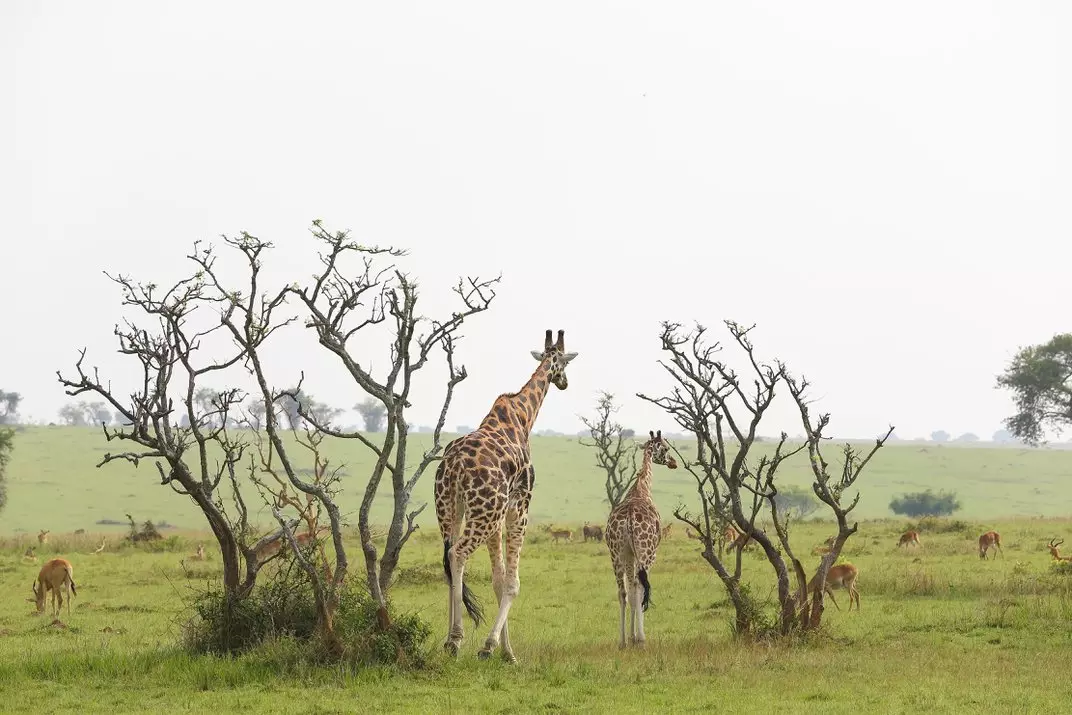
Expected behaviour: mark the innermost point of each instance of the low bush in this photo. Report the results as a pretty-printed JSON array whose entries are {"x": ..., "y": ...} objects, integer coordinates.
[
  {"x": 926, "y": 503},
  {"x": 282, "y": 607}
]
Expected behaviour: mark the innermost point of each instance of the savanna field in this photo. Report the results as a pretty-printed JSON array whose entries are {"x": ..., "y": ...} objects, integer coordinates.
[{"x": 939, "y": 630}]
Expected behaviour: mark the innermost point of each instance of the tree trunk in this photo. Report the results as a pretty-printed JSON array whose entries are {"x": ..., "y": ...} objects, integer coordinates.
[
  {"x": 232, "y": 580},
  {"x": 742, "y": 623}
]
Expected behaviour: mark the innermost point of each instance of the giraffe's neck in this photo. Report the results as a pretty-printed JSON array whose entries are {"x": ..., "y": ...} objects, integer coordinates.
[
  {"x": 642, "y": 486},
  {"x": 522, "y": 407}
]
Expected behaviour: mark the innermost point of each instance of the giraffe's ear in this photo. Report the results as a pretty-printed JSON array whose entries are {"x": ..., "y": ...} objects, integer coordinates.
[
  {"x": 538, "y": 355},
  {"x": 567, "y": 357}
]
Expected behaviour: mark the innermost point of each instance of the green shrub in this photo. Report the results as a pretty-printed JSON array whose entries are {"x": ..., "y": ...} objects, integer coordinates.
[
  {"x": 282, "y": 607},
  {"x": 927, "y": 503}
]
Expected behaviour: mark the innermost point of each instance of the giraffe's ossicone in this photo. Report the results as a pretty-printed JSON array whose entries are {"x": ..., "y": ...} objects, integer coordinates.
[
  {"x": 482, "y": 491},
  {"x": 633, "y": 535}
]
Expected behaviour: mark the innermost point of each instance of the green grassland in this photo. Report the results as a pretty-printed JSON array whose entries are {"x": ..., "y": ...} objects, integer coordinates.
[
  {"x": 54, "y": 484},
  {"x": 939, "y": 630}
]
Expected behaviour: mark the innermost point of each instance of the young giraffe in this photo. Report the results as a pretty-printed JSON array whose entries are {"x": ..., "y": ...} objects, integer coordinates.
[
  {"x": 633, "y": 536},
  {"x": 482, "y": 489}
]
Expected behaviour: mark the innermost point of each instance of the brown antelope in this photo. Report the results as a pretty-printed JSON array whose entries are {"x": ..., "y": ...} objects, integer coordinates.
[
  {"x": 54, "y": 575},
  {"x": 42, "y": 537},
  {"x": 840, "y": 576},
  {"x": 200, "y": 555},
  {"x": 101, "y": 547},
  {"x": 666, "y": 531},
  {"x": 557, "y": 534},
  {"x": 592, "y": 532},
  {"x": 826, "y": 547},
  {"x": 990, "y": 538},
  {"x": 30, "y": 554},
  {"x": 271, "y": 548},
  {"x": 908, "y": 538},
  {"x": 691, "y": 534},
  {"x": 1054, "y": 543},
  {"x": 736, "y": 539}
]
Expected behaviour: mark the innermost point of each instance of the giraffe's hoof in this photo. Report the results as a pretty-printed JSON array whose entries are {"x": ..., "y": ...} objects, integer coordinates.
[
  {"x": 483, "y": 654},
  {"x": 509, "y": 658},
  {"x": 451, "y": 647}
]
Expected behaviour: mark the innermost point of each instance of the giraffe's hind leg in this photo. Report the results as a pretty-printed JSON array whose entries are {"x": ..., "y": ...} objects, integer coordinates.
[
  {"x": 623, "y": 597},
  {"x": 473, "y": 535}
]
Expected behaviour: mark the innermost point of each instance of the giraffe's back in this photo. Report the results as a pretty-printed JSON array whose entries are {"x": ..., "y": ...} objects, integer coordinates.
[
  {"x": 633, "y": 529},
  {"x": 483, "y": 469}
]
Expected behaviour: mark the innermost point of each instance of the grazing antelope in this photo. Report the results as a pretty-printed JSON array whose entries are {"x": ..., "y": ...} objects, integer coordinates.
[
  {"x": 990, "y": 538},
  {"x": 908, "y": 538},
  {"x": 101, "y": 547},
  {"x": 666, "y": 530},
  {"x": 54, "y": 575},
  {"x": 30, "y": 554},
  {"x": 592, "y": 532},
  {"x": 840, "y": 576},
  {"x": 1054, "y": 543},
  {"x": 42, "y": 537}
]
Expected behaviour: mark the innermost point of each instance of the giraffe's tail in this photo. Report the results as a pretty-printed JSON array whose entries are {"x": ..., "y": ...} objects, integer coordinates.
[
  {"x": 642, "y": 575},
  {"x": 469, "y": 599}
]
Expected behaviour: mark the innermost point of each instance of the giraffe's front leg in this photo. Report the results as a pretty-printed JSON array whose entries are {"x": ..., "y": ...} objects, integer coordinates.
[
  {"x": 498, "y": 576},
  {"x": 515, "y": 538}
]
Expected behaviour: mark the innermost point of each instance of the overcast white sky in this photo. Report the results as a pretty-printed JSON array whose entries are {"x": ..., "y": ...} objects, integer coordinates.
[{"x": 883, "y": 188}]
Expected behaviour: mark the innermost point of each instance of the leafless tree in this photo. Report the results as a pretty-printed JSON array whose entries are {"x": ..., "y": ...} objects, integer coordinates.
[
  {"x": 167, "y": 348},
  {"x": 615, "y": 452},
  {"x": 735, "y": 486},
  {"x": 343, "y": 304},
  {"x": 339, "y": 307}
]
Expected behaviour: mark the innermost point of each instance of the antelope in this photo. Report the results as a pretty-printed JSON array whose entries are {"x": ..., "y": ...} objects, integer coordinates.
[
  {"x": 200, "y": 555},
  {"x": 101, "y": 547},
  {"x": 691, "y": 534},
  {"x": 42, "y": 537},
  {"x": 30, "y": 554},
  {"x": 557, "y": 534},
  {"x": 990, "y": 538},
  {"x": 592, "y": 532},
  {"x": 666, "y": 530},
  {"x": 735, "y": 539},
  {"x": 840, "y": 576},
  {"x": 1055, "y": 553},
  {"x": 54, "y": 575},
  {"x": 908, "y": 538},
  {"x": 271, "y": 548}
]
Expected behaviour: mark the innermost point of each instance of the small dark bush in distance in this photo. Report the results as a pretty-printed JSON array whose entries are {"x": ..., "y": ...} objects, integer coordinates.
[{"x": 927, "y": 503}]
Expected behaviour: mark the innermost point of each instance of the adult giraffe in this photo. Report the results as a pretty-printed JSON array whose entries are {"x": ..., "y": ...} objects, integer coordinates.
[{"x": 482, "y": 489}]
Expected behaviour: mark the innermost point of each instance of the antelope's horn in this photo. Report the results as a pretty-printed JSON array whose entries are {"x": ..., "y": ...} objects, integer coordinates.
[
  {"x": 547, "y": 340},
  {"x": 561, "y": 344}
]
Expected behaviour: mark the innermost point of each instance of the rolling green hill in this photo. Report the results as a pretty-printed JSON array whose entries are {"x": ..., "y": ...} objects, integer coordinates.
[{"x": 54, "y": 483}]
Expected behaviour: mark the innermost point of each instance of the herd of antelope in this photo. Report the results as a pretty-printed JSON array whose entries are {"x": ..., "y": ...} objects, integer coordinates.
[{"x": 57, "y": 575}]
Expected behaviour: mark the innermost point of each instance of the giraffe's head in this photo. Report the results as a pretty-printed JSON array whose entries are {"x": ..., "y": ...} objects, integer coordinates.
[
  {"x": 558, "y": 357},
  {"x": 660, "y": 450}
]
